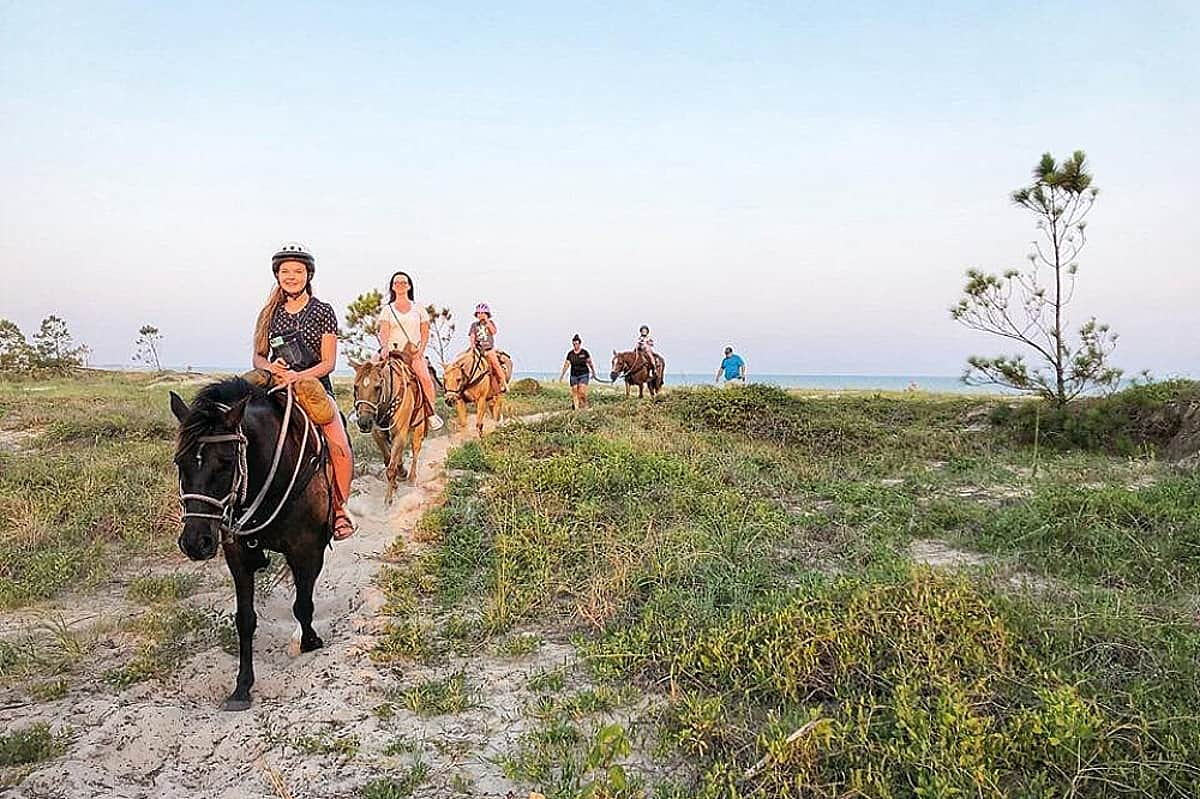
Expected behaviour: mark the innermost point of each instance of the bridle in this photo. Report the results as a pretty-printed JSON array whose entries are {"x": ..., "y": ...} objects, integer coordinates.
[
  {"x": 229, "y": 505},
  {"x": 385, "y": 409},
  {"x": 631, "y": 369},
  {"x": 470, "y": 377}
]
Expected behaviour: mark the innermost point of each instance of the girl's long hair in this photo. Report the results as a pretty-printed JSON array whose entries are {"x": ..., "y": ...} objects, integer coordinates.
[{"x": 274, "y": 300}]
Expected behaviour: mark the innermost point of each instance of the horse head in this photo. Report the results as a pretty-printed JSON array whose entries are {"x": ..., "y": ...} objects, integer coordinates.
[
  {"x": 368, "y": 393},
  {"x": 211, "y": 455},
  {"x": 458, "y": 376},
  {"x": 622, "y": 362}
]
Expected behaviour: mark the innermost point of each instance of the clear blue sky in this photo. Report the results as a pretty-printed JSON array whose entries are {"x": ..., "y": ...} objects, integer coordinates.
[{"x": 807, "y": 182}]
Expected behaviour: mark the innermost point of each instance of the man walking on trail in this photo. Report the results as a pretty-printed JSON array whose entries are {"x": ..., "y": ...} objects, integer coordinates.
[{"x": 733, "y": 368}]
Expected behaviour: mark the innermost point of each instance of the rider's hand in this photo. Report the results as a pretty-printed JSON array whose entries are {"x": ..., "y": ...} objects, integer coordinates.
[
  {"x": 287, "y": 378},
  {"x": 278, "y": 367}
]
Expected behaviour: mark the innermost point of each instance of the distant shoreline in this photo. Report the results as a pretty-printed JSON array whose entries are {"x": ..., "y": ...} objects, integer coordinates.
[{"x": 931, "y": 383}]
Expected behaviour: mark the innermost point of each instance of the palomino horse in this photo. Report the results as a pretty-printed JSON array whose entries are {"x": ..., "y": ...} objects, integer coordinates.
[
  {"x": 387, "y": 403},
  {"x": 633, "y": 367},
  {"x": 467, "y": 380},
  {"x": 246, "y": 469}
]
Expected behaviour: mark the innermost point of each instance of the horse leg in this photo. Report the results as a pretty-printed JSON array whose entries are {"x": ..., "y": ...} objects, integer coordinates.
[
  {"x": 460, "y": 409},
  {"x": 305, "y": 569},
  {"x": 480, "y": 413},
  {"x": 245, "y": 620},
  {"x": 418, "y": 436},
  {"x": 383, "y": 442},
  {"x": 395, "y": 469}
]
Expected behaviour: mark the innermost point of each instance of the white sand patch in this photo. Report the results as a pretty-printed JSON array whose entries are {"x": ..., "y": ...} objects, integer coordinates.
[
  {"x": 942, "y": 555},
  {"x": 170, "y": 739}
]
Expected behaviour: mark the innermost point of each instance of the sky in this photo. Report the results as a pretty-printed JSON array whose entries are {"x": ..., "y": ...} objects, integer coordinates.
[{"x": 807, "y": 182}]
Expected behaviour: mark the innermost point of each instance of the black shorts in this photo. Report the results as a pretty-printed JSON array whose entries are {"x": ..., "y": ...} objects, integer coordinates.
[{"x": 580, "y": 380}]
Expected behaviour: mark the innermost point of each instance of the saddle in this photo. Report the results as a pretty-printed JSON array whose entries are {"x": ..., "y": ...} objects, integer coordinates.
[
  {"x": 401, "y": 357},
  {"x": 488, "y": 372},
  {"x": 315, "y": 402},
  {"x": 310, "y": 394}
]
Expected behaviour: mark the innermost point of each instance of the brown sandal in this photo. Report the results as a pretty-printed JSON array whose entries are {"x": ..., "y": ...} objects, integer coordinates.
[{"x": 343, "y": 527}]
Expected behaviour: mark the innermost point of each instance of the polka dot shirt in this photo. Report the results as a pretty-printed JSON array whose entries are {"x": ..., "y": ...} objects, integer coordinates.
[{"x": 314, "y": 320}]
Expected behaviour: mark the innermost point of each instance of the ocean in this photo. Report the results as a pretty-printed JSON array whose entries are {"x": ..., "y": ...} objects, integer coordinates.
[{"x": 933, "y": 383}]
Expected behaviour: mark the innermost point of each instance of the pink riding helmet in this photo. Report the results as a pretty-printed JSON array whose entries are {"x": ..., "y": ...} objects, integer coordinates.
[{"x": 483, "y": 308}]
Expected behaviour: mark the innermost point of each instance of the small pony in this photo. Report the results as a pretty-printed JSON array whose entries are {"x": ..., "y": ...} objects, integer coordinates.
[
  {"x": 468, "y": 379},
  {"x": 633, "y": 367}
]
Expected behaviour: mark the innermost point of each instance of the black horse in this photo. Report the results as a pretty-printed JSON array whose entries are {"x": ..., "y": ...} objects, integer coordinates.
[{"x": 246, "y": 469}]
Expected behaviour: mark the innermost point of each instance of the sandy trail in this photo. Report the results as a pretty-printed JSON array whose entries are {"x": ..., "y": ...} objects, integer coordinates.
[{"x": 169, "y": 739}]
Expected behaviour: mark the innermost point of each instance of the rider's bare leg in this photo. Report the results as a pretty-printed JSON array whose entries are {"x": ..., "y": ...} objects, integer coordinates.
[
  {"x": 421, "y": 370},
  {"x": 497, "y": 369},
  {"x": 343, "y": 474}
]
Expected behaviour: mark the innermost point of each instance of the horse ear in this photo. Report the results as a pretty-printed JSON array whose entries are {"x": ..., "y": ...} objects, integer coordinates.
[
  {"x": 178, "y": 407},
  {"x": 233, "y": 416},
  {"x": 614, "y": 353},
  {"x": 354, "y": 364}
]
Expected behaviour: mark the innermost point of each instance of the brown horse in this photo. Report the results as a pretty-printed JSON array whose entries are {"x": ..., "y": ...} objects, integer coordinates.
[
  {"x": 388, "y": 405},
  {"x": 634, "y": 367},
  {"x": 468, "y": 379}
]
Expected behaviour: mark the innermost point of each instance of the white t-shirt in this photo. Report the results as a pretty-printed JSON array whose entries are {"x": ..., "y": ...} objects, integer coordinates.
[{"x": 405, "y": 327}]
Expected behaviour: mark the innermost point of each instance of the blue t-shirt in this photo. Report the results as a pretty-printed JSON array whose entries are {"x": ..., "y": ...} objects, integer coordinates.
[{"x": 732, "y": 366}]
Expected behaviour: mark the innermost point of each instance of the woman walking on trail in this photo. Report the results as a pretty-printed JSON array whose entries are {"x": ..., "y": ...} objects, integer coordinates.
[
  {"x": 295, "y": 341},
  {"x": 404, "y": 333},
  {"x": 579, "y": 361},
  {"x": 483, "y": 341}
]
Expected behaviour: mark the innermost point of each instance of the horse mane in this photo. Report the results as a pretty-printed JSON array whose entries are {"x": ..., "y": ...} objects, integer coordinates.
[{"x": 206, "y": 410}]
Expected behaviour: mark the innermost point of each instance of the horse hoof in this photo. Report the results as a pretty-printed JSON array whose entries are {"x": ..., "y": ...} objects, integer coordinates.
[
  {"x": 313, "y": 643},
  {"x": 232, "y": 704}
]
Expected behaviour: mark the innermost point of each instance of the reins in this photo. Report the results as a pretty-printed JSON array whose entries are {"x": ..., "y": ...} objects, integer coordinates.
[
  {"x": 469, "y": 376},
  {"x": 240, "y": 482}
]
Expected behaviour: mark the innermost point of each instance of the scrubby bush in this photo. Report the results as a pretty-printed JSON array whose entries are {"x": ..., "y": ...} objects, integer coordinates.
[
  {"x": 1140, "y": 418},
  {"x": 525, "y": 387}
]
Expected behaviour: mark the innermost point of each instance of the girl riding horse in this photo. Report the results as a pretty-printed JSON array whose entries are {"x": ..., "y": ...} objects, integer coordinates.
[{"x": 295, "y": 342}]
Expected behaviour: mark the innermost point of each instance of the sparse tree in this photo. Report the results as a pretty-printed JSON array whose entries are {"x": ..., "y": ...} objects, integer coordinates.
[
  {"x": 54, "y": 348},
  {"x": 1025, "y": 308},
  {"x": 359, "y": 336},
  {"x": 147, "y": 347},
  {"x": 15, "y": 353},
  {"x": 441, "y": 332}
]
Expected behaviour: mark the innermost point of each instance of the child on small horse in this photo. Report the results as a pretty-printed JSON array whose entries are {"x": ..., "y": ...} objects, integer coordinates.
[
  {"x": 483, "y": 341},
  {"x": 645, "y": 347}
]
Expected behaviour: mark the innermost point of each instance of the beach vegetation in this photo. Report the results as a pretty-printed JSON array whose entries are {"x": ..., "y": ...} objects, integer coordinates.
[
  {"x": 1029, "y": 308},
  {"x": 441, "y": 333},
  {"x": 398, "y": 787},
  {"x": 359, "y": 335},
  {"x": 53, "y": 349},
  {"x": 747, "y": 560},
  {"x": 147, "y": 347}
]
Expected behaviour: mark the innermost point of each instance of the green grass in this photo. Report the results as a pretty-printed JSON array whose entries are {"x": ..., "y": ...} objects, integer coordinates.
[
  {"x": 439, "y": 696},
  {"x": 163, "y": 587},
  {"x": 31, "y": 744},
  {"x": 94, "y": 489},
  {"x": 397, "y": 787},
  {"x": 326, "y": 742},
  {"x": 168, "y": 635},
  {"x": 749, "y": 549}
]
